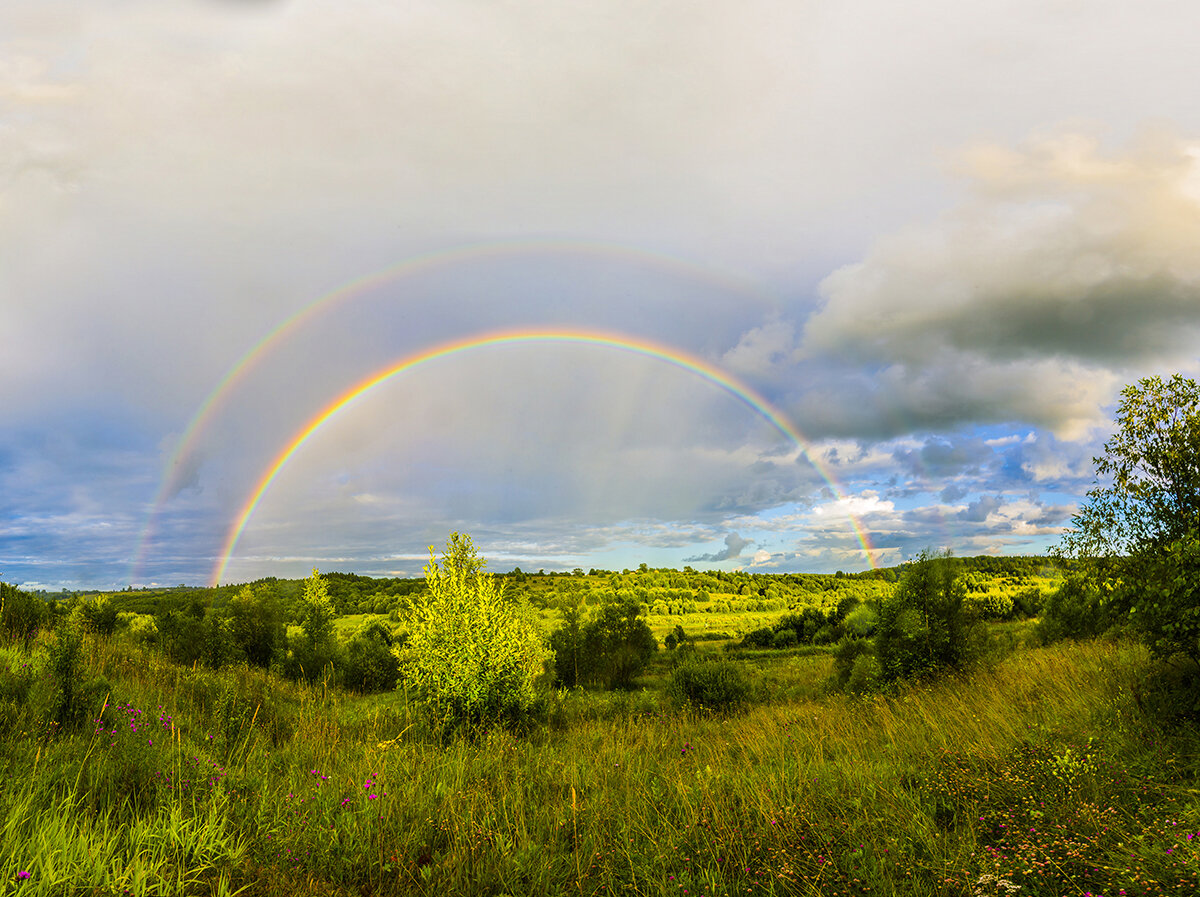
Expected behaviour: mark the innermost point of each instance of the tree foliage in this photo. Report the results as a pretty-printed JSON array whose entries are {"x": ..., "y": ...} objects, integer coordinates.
[
  {"x": 923, "y": 626},
  {"x": 21, "y": 614},
  {"x": 1142, "y": 531},
  {"x": 473, "y": 653},
  {"x": 617, "y": 643}
]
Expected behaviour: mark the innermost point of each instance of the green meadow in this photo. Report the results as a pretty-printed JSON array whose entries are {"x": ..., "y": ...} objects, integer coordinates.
[{"x": 1035, "y": 770}]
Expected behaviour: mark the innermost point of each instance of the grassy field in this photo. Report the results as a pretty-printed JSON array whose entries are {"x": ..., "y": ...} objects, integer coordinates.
[{"x": 1039, "y": 770}]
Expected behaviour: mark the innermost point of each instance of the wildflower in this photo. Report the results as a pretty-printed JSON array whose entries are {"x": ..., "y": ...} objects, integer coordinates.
[{"x": 22, "y": 875}]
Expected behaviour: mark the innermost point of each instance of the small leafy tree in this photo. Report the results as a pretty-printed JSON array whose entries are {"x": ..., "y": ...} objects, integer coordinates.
[
  {"x": 317, "y": 648},
  {"x": 618, "y": 643},
  {"x": 256, "y": 626},
  {"x": 570, "y": 659},
  {"x": 1141, "y": 532},
  {"x": 21, "y": 614},
  {"x": 369, "y": 664},
  {"x": 923, "y": 626},
  {"x": 316, "y": 611},
  {"x": 472, "y": 653}
]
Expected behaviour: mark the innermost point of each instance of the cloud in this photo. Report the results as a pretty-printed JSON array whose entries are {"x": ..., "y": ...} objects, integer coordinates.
[
  {"x": 734, "y": 544},
  {"x": 1067, "y": 268}
]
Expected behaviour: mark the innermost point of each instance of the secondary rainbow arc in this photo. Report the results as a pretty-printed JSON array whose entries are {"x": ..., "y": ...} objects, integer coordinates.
[
  {"x": 239, "y": 372},
  {"x": 621, "y": 342}
]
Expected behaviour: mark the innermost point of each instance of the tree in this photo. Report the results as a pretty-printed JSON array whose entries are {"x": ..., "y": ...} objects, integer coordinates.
[
  {"x": 617, "y": 643},
  {"x": 256, "y": 625},
  {"x": 923, "y": 626},
  {"x": 21, "y": 614},
  {"x": 1141, "y": 532},
  {"x": 473, "y": 653},
  {"x": 369, "y": 664},
  {"x": 317, "y": 612},
  {"x": 570, "y": 661},
  {"x": 317, "y": 648}
]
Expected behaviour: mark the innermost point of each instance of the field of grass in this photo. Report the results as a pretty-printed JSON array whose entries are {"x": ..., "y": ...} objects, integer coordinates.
[{"x": 1039, "y": 770}]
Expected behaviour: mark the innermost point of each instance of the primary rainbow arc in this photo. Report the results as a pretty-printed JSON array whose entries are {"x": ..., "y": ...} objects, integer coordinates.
[
  {"x": 668, "y": 354},
  {"x": 240, "y": 371}
]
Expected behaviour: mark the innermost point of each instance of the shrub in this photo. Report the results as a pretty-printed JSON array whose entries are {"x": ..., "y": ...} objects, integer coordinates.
[
  {"x": 784, "y": 638},
  {"x": 617, "y": 643},
  {"x": 1073, "y": 610},
  {"x": 675, "y": 638},
  {"x": 865, "y": 674},
  {"x": 99, "y": 615},
  {"x": 992, "y": 606},
  {"x": 256, "y": 626},
  {"x": 570, "y": 662},
  {"x": 759, "y": 638},
  {"x": 21, "y": 614},
  {"x": 472, "y": 653},
  {"x": 1028, "y": 602},
  {"x": 73, "y": 697},
  {"x": 846, "y": 656},
  {"x": 860, "y": 622},
  {"x": 368, "y": 664},
  {"x": 718, "y": 686},
  {"x": 924, "y": 626}
]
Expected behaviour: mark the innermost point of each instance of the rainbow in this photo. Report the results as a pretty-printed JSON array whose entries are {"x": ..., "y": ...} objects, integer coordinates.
[
  {"x": 241, "y": 369},
  {"x": 658, "y": 351}
]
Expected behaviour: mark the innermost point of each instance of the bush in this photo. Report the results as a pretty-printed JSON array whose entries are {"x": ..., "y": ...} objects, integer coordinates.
[
  {"x": 570, "y": 662},
  {"x": 713, "y": 686},
  {"x": 759, "y": 638},
  {"x": 846, "y": 657},
  {"x": 992, "y": 606},
  {"x": 74, "y": 699},
  {"x": 21, "y": 614},
  {"x": 860, "y": 622},
  {"x": 865, "y": 674},
  {"x": 473, "y": 654},
  {"x": 1073, "y": 610},
  {"x": 784, "y": 638},
  {"x": 368, "y": 664},
  {"x": 924, "y": 626},
  {"x": 617, "y": 643},
  {"x": 1028, "y": 602}
]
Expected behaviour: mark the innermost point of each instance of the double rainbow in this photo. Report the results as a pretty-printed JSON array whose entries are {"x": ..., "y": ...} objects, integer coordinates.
[
  {"x": 620, "y": 342},
  {"x": 345, "y": 293}
]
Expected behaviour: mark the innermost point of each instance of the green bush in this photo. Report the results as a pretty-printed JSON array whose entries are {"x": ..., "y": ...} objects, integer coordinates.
[
  {"x": 717, "y": 686},
  {"x": 21, "y": 614},
  {"x": 860, "y": 622},
  {"x": 992, "y": 606},
  {"x": 1028, "y": 602},
  {"x": 368, "y": 663},
  {"x": 617, "y": 643},
  {"x": 865, "y": 674},
  {"x": 473, "y": 654},
  {"x": 845, "y": 657},
  {"x": 924, "y": 625},
  {"x": 75, "y": 696},
  {"x": 763, "y": 637},
  {"x": 784, "y": 638},
  {"x": 1073, "y": 610}
]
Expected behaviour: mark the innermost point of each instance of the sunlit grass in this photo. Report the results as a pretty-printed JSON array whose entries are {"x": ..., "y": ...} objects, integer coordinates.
[{"x": 1038, "y": 771}]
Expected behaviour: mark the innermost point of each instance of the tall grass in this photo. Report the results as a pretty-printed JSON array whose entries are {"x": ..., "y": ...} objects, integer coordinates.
[{"x": 1038, "y": 771}]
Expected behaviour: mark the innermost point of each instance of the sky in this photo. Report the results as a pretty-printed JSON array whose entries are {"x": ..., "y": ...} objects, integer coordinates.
[{"x": 818, "y": 285}]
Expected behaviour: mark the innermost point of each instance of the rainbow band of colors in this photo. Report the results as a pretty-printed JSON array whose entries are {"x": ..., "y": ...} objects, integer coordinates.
[
  {"x": 620, "y": 342},
  {"x": 345, "y": 293}
]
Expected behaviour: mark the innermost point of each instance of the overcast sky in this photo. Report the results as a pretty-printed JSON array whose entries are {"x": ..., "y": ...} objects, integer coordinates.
[{"x": 935, "y": 237}]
